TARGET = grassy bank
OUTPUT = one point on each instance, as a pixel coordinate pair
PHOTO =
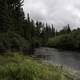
(19, 67)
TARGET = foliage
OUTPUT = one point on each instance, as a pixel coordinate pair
(66, 41)
(24, 31)
(28, 33)
(13, 42)
(18, 67)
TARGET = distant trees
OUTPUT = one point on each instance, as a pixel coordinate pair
(53, 31)
(65, 30)
(70, 40)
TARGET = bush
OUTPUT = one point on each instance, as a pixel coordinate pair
(13, 42)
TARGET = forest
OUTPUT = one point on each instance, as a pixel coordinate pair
(18, 33)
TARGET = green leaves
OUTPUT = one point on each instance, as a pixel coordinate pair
(13, 42)
(69, 41)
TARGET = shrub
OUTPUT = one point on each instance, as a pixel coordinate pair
(13, 42)
(66, 41)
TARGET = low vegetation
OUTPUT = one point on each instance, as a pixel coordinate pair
(19, 67)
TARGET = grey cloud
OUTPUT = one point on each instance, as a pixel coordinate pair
(57, 12)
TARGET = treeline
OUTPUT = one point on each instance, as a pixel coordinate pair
(18, 33)
(66, 39)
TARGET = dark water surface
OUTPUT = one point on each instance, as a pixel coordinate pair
(54, 56)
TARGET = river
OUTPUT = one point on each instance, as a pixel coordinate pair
(54, 56)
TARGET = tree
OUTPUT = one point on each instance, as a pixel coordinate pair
(39, 26)
(65, 30)
(68, 29)
(53, 31)
(4, 16)
(16, 13)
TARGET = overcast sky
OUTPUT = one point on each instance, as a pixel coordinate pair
(57, 12)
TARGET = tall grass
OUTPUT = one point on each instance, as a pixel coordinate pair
(19, 67)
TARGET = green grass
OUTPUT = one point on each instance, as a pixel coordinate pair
(19, 67)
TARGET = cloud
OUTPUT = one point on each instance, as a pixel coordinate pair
(57, 12)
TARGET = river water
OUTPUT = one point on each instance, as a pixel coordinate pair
(54, 56)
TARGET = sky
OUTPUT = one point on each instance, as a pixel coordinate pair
(56, 12)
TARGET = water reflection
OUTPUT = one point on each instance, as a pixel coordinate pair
(54, 56)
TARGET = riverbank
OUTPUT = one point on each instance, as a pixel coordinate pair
(20, 67)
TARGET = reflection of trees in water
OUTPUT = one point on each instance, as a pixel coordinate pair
(45, 57)
(55, 56)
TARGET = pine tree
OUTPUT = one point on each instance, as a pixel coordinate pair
(16, 13)
(68, 29)
(53, 31)
(39, 25)
(4, 16)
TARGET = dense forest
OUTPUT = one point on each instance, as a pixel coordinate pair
(18, 33)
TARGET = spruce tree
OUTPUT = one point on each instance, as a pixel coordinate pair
(17, 15)
(4, 16)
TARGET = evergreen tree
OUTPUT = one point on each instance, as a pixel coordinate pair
(65, 30)
(53, 31)
(16, 13)
(68, 29)
(4, 16)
